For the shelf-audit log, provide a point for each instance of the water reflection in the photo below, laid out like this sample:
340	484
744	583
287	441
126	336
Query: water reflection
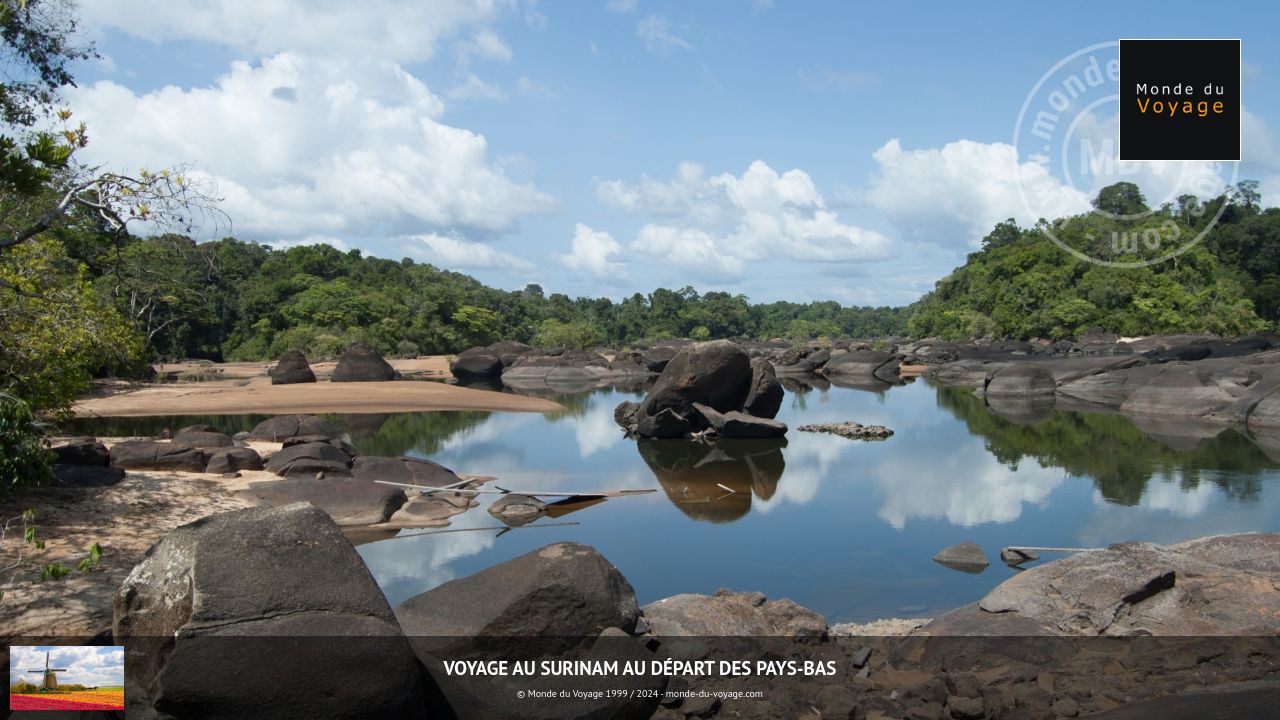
715	482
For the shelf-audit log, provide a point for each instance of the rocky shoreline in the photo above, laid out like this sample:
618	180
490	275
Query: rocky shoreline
1042	644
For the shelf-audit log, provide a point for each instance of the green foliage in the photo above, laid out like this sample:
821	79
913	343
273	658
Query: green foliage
55	329
1022	286
23	459
54	571
92	557
573	335
23	688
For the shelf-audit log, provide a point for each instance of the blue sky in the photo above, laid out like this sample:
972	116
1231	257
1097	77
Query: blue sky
94	666
608	147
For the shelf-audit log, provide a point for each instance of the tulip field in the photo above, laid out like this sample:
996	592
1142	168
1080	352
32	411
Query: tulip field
101	699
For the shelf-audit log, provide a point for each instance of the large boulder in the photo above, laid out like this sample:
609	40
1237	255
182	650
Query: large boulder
234	459
864	362
292	368
478	362
411	471
656	358
508	351
361	363
1020	380
764	398
1110	388
1181	390
307	459
732	614
716	374
82	476
283	427
348	501
153	455
261	613
82	451
564	593
1265	414
1216	586
202	436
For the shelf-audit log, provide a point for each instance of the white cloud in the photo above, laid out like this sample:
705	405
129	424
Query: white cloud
485	44
719	224
593	253
402	30
960	191
473	88
621	6
358	150
656	32
456	253
100	666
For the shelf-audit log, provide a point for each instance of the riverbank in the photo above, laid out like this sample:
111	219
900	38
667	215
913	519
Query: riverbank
244	388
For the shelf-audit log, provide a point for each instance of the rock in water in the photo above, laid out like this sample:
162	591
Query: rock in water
1021	379
737	425
517	509
273	602
965	557
851	430
765	396
716	374
291	369
361	363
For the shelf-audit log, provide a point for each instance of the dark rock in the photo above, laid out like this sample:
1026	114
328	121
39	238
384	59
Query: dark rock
152	455
1021	379
1184	391
864	362
1018	556
966	708
247	574
1184	353
411	471
717	374
232	460
346	500
566	593
694	475
656	358
67	476
478	362
665	425
966	557
625	415
700	706
283	427
508	351
764	399
729	614
82	451
304	457
1225	702
361	363
202	438
292	368
739	425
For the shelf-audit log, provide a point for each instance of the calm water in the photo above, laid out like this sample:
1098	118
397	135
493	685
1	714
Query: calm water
846	528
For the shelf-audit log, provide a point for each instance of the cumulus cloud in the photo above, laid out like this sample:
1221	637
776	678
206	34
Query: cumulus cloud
592	253
656	32
485	44
401	30
455	253
100	666
960	191
473	88
721	223
348	147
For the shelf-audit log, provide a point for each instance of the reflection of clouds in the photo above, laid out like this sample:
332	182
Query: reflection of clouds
596	430
1171	497
810	457
967	487
494	427
415	565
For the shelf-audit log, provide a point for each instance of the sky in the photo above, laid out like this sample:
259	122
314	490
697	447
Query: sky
784	150
92	666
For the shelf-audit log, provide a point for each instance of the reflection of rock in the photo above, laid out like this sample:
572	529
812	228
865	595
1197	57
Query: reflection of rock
715	482
1182	434
802	385
1023	410
867	383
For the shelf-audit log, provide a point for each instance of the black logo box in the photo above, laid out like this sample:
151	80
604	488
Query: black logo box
1185	67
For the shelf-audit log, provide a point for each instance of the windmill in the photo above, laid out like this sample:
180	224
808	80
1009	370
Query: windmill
50	675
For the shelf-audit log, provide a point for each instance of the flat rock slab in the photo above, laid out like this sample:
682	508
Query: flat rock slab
731	614
152	455
403	470
346	500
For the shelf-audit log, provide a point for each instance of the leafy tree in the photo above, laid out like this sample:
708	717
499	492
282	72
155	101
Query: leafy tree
23	459
1121	199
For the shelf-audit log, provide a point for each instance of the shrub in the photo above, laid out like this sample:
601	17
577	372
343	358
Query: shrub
23	459
23	688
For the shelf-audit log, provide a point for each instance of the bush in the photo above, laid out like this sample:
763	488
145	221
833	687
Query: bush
23	688
407	349
23	459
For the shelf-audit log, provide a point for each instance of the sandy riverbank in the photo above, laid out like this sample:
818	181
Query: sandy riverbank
244	388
